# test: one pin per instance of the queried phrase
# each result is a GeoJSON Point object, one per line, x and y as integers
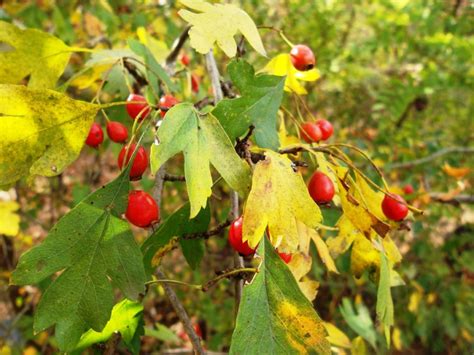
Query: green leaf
{"type": "Point", "coordinates": [176, 225]}
{"type": "Point", "coordinates": [202, 140]}
{"type": "Point", "coordinates": [384, 307]}
{"type": "Point", "coordinates": [162, 333]}
{"type": "Point", "coordinates": [31, 53]}
{"type": "Point", "coordinates": [360, 322]}
{"type": "Point", "coordinates": [274, 315]}
{"type": "Point", "coordinates": [258, 106]}
{"type": "Point", "coordinates": [42, 131]}
{"type": "Point", "coordinates": [125, 319]}
{"type": "Point", "coordinates": [96, 252]}
{"type": "Point", "coordinates": [153, 69]}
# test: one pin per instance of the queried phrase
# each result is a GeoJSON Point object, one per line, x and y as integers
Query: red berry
{"type": "Point", "coordinates": [321, 188]}
{"type": "Point", "coordinates": [326, 128]}
{"type": "Point", "coordinates": [117, 132]}
{"type": "Point", "coordinates": [235, 238]}
{"type": "Point", "coordinates": [185, 59]}
{"type": "Point", "coordinates": [394, 207]}
{"type": "Point", "coordinates": [142, 209]}
{"type": "Point", "coordinates": [302, 57]}
{"type": "Point", "coordinates": [166, 102]}
{"type": "Point", "coordinates": [95, 136]}
{"type": "Point", "coordinates": [195, 80]}
{"type": "Point", "coordinates": [135, 109]}
{"type": "Point", "coordinates": [140, 163]}
{"type": "Point", "coordinates": [285, 257]}
{"type": "Point", "coordinates": [408, 189]}
{"type": "Point", "coordinates": [311, 132]}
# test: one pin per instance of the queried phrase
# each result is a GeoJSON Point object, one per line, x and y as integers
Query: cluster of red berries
{"type": "Point", "coordinates": [142, 209]}
{"type": "Point", "coordinates": [243, 248]}
{"type": "Point", "coordinates": [317, 131]}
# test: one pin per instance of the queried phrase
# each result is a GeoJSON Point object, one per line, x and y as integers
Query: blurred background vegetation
{"type": "Point", "coordinates": [397, 80]}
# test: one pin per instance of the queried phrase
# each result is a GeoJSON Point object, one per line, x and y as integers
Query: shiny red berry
{"type": "Point", "coordinates": [95, 136]}
{"type": "Point", "coordinates": [302, 57]}
{"type": "Point", "coordinates": [184, 59]}
{"type": "Point", "coordinates": [321, 188]}
{"type": "Point", "coordinates": [235, 238]}
{"type": "Point", "coordinates": [140, 163]}
{"type": "Point", "coordinates": [166, 102]}
{"type": "Point", "coordinates": [117, 132]}
{"type": "Point", "coordinates": [326, 128]}
{"type": "Point", "coordinates": [394, 208]}
{"type": "Point", "coordinates": [285, 257]}
{"type": "Point", "coordinates": [195, 80]}
{"type": "Point", "coordinates": [408, 189]}
{"type": "Point", "coordinates": [311, 132]}
{"type": "Point", "coordinates": [140, 109]}
{"type": "Point", "coordinates": [142, 209]}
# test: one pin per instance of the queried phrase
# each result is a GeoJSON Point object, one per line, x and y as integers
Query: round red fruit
{"type": "Point", "coordinates": [311, 132]}
{"type": "Point", "coordinates": [139, 107]}
{"type": "Point", "coordinates": [185, 59]}
{"type": "Point", "coordinates": [95, 136]}
{"type": "Point", "coordinates": [408, 189]}
{"type": "Point", "coordinates": [326, 128]}
{"type": "Point", "coordinates": [195, 80]}
{"type": "Point", "coordinates": [235, 239]}
{"type": "Point", "coordinates": [302, 57]}
{"type": "Point", "coordinates": [394, 208]}
{"type": "Point", "coordinates": [140, 163]}
{"type": "Point", "coordinates": [117, 132]}
{"type": "Point", "coordinates": [321, 188]}
{"type": "Point", "coordinates": [142, 209]}
{"type": "Point", "coordinates": [166, 102]}
{"type": "Point", "coordinates": [285, 257]}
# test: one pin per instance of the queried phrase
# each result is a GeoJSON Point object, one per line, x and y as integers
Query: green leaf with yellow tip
{"type": "Point", "coordinates": [42, 131]}
{"type": "Point", "coordinates": [203, 141]}
{"type": "Point", "coordinates": [95, 251]}
{"type": "Point", "coordinates": [278, 200]}
{"type": "Point", "coordinates": [31, 53]}
{"type": "Point", "coordinates": [274, 315]}
{"type": "Point", "coordinates": [218, 24]}
{"type": "Point", "coordinates": [281, 66]}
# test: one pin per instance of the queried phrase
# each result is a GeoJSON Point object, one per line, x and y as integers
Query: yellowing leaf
{"type": "Point", "coordinates": [281, 66]}
{"type": "Point", "coordinates": [216, 23]}
{"type": "Point", "coordinates": [9, 219]}
{"type": "Point", "coordinates": [159, 49]}
{"type": "Point", "coordinates": [90, 76]}
{"type": "Point", "coordinates": [31, 53]}
{"type": "Point", "coordinates": [42, 131]}
{"type": "Point", "coordinates": [457, 173]}
{"type": "Point", "coordinates": [336, 336]}
{"type": "Point", "coordinates": [278, 199]}
{"type": "Point", "coordinates": [300, 265]}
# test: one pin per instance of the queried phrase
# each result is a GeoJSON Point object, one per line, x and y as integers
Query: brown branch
{"type": "Point", "coordinates": [171, 177]}
{"type": "Point", "coordinates": [205, 235]}
{"type": "Point", "coordinates": [177, 45]}
{"type": "Point", "coordinates": [455, 200]}
{"type": "Point", "coordinates": [427, 159]}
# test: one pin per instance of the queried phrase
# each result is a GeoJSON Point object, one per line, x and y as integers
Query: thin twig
{"type": "Point", "coordinates": [171, 177]}
{"type": "Point", "coordinates": [205, 235]}
{"type": "Point", "coordinates": [215, 76]}
{"type": "Point", "coordinates": [455, 200]}
{"type": "Point", "coordinates": [177, 45]}
{"type": "Point", "coordinates": [427, 159]}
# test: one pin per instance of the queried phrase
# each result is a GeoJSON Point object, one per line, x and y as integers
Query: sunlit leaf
{"type": "Point", "coordinates": [336, 336]}
{"type": "Point", "coordinates": [274, 315]}
{"type": "Point", "coordinates": [457, 173]}
{"type": "Point", "coordinates": [299, 266]}
{"type": "Point", "coordinates": [31, 53]}
{"type": "Point", "coordinates": [278, 200]}
{"type": "Point", "coordinates": [9, 219]}
{"type": "Point", "coordinates": [200, 138]}
{"type": "Point", "coordinates": [217, 23]}
{"type": "Point", "coordinates": [42, 131]}
{"type": "Point", "coordinates": [281, 66]}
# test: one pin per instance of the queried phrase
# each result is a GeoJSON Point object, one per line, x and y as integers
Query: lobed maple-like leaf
{"type": "Point", "coordinates": [203, 141]}
{"type": "Point", "coordinates": [279, 199]}
{"type": "Point", "coordinates": [258, 105]}
{"type": "Point", "coordinates": [95, 252]}
{"type": "Point", "coordinates": [42, 131]}
{"type": "Point", "coordinates": [274, 316]}
{"type": "Point", "coordinates": [219, 23]}
{"type": "Point", "coordinates": [31, 53]}
{"type": "Point", "coordinates": [281, 66]}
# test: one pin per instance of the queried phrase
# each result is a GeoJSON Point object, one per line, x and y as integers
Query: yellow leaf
{"type": "Point", "coordinates": [42, 132]}
{"type": "Point", "coordinates": [309, 288]}
{"type": "Point", "coordinates": [278, 199]}
{"type": "Point", "coordinates": [397, 339]}
{"type": "Point", "coordinates": [9, 219]}
{"type": "Point", "coordinates": [281, 66]}
{"type": "Point", "coordinates": [347, 233]}
{"type": "Point", "coordinates": [336, 336]}
{"type": "Point", "coordinates": [285, 139]}
{"type": "Point", "coordinates": [457, 173]}
{"type": "Point", "coordinates": [217, 23]}
{"type": "Point", "coordinates": [31, 52]}
{"type": "Point", "coordinates": [90, 76]}
{"type": "Point", "coordinates": [358, 346]}
{"type": "Point", "coordinates": [159, 49]}
{"type": "Point", "coordinates": [300, 265]}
